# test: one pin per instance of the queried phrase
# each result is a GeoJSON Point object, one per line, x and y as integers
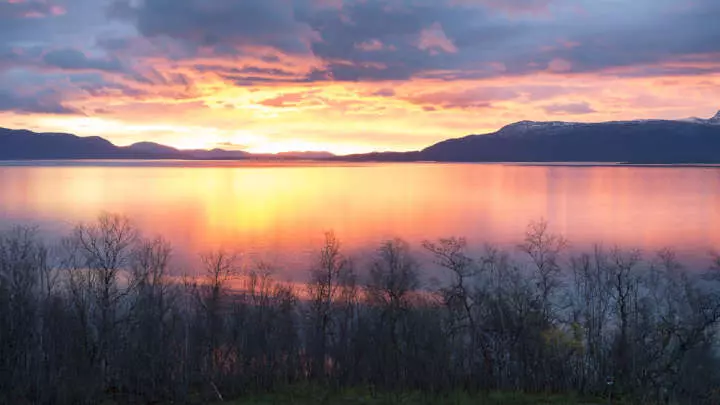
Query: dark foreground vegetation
{"type": "Point", "coordinates": [305, 394]}
{"type": "Point", "coordinates": [100, 316]}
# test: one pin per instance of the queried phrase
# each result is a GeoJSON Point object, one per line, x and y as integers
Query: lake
{"type": "Point", "coordinates": [278, 212]}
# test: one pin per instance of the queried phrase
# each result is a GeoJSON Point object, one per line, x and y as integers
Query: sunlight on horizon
{"type": "Point", "coordinates": [356, 120]}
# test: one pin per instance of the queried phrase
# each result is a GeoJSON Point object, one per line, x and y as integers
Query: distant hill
{"type": "Point", "coordinates": [692, 140]}
{"type": "Point", "coordinates": [151, 148]}
{"type": "Point", "coordinates": [642, 141]}
{"type": "Point", "coordinates": [381, 157]}
{"type": "Point", "coordinates": [27, 145]}
{"type": "Point", "coordinates": [306, 155]}
{"type": "Point", "coordinates": [22, 144]}
{"type": "Point", "coordinates": [218, 154]}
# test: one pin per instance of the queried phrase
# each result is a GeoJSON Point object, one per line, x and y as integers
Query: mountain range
{"type": "Point", "coordinates": [691, 140]}
{"type": "Point", "coordinates": [27, 145]}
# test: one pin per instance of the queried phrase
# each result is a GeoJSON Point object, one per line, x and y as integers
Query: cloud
{"type": "Point", "coordinates": [29, 9]}
{"type": "Point", "coordinates": [46, 102]}
{"type": "Point", "coordinates": [359, 72]}
{"type": "Point", "coordinates": [479, 97]}
{"type": "Point", "coordinates": [434, 40]}
{"type": "Point", "coordinates": [559, 66]}
{"type": "Point", "coordinates": [569, 108]}
{"type": "Point", "coordinates": [411, 35]}
{"type": "Point", "coordinates": [232, 146]}
{"type": "Point", "coordinates": [373, 45]}
{"type": "Point", "coordinates": [250, 74]}
{"type": "Point", "coordinates": [512, 6]}
{"type": "Point", "coordinates": [384, 92]}
{"type": "Point", "coordinates": [73, 59]}
{"type": "Point", "coordinates": [395, 40]}
{"type": "Point", "coordinates": [217, 23]}
{"type": "Point", "coordinates": [290, 100]}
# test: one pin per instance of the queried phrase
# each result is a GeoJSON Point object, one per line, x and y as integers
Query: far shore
{"type": "Point", "coordinates": [328, 162]}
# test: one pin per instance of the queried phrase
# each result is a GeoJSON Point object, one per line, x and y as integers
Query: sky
{"type": "Point", "coordinates": [348, 76]}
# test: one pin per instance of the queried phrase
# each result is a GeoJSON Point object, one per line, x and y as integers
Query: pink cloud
{"type": "Point", "coordinates": [559, 66]}
{"type": "Point", "coordinates": [478, 97]}
{"type": "Point", "coordinates": [569, 108]}
{"type": "Point", "coordinates": [31, 9]}
{"type": "Point", "coordinates": [510, 6]}
{"type": "Point", "coordinates": [433, 39]}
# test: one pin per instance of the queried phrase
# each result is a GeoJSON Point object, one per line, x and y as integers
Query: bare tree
{"type": "Point", "coordinates": [212, 296]}
{"type": "Point", "coordinates": [26, 283]}
{"type": "Point", "coordinates": [324, 290]}
{"type": "Point", "coordinates": [592, 307]}
{"type": "Point", "coordinates": [463, 299]}
{"type": "Point", "coordinates": [544, 250]}
{"type": "Point", "coordinates": [117, 325]}
{"type": "Point", "coordinates": [392, 282]}
{"type": "Point", "coordinates": [154, 321]}
{"type": "Point", "coordinates": [100, 255]}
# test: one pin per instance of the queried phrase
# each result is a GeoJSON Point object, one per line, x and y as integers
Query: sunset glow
{"type": "Point", "coordinates": [348, 76]}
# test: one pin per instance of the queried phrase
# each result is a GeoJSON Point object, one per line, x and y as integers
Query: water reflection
{"type": "Point", "coordinates": [279, 211]}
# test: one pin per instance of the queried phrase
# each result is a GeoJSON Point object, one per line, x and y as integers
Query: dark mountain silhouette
{"type": "Point", "coordinates": [712, 121]}
{"type": "Point", "coordinates": [692, 140]}
{"type": "Point", "coordinates": [23, 144]}
{"type": "Point", "coordinates": [306, 154]}
{"type": "Point", "coordinates": [413, 156]}
{"type": "Point", "coordinates": [152, 148]}
{"type": "Point", "coordinates": [651, 141]}
{"type": "Point", "coordinates": [218, 154]}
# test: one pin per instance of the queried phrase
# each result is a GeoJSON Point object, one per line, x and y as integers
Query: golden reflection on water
{"type": "Point", "coordinates": [281, 211]}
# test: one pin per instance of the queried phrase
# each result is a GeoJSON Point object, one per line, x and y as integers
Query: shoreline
{"type": "Point", "coordinates": [319, 162]}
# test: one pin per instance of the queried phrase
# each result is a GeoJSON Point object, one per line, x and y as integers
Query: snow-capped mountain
{"type": "Point", "coordinates": [523, 127]}
{"type": "Point", "coordinates": [711, 121]}
{"type": "Point", "coordinates": [647, 141]}
{"type": "Point", "coordinates": [636, 141]}
{"type": "Point", "coordinates": [547, 127]}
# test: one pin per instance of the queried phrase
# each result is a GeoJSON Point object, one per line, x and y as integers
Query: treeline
{"type": "Point", "coordinates": [101, 315]}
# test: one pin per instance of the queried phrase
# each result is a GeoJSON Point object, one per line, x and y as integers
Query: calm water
{"type": "Point", "coordinates": [278, 212]}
